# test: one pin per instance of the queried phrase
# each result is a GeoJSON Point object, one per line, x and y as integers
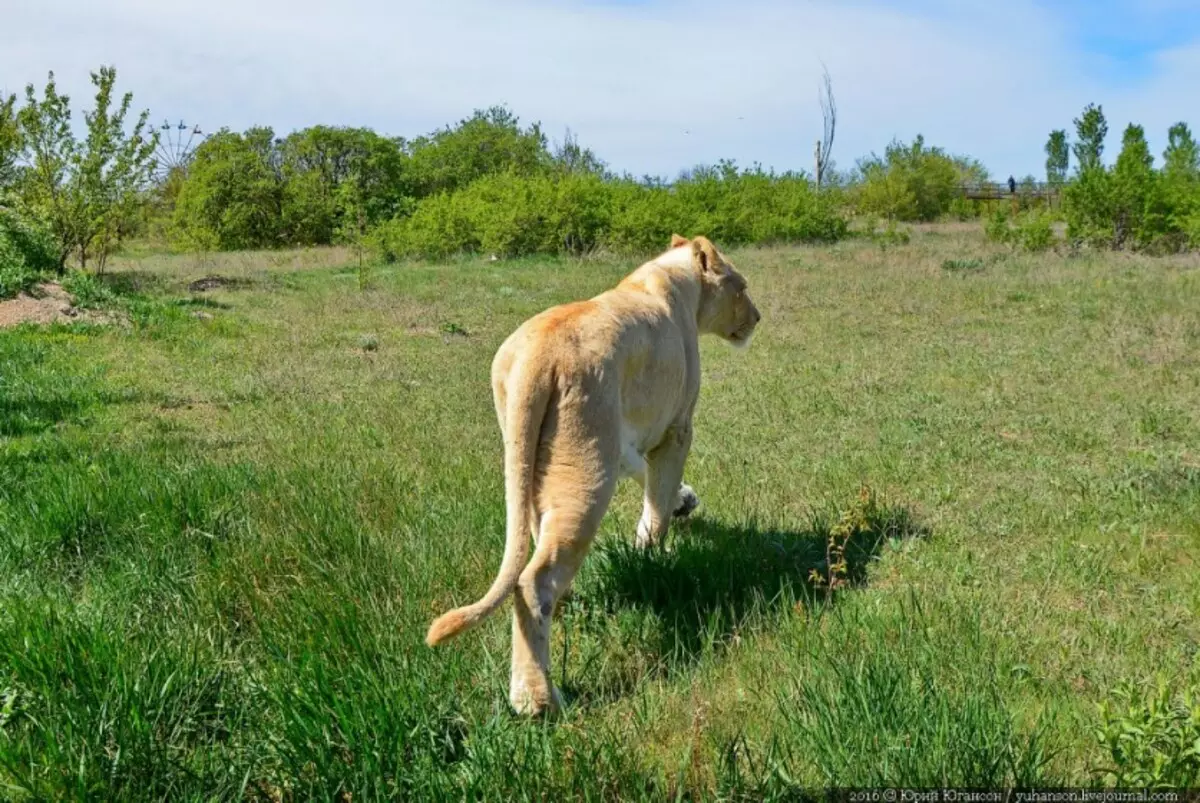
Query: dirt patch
{"type": "Point", "coordinates": [214, 283]}
{"type": "Point", "coordinates": [48, 303]}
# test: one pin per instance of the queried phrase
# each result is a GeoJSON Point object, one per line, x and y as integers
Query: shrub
{"type": "Point", "coordinates": [997, 228]}
{"type": "Point", "coordinates": [915, 182]}
{"type": "Point", "coordinates": [1034, 233]}
{"type": "Point", "coordinates": [27, 251]}
{"type": "Point", "coordinates": [437, 229]}
{"type": "Point", "coordinates": [582, 213]}
{"type": "Point", "coordinates": [644, 217]}
{"type": "Point", "coordinates": [1031, 231]}
{"type": "Point", "coordinates": [962, 265]}
{"type": "Point", "coordinates": [509, 214]}
{"type": "Point", "coordinates": [1151, 737]}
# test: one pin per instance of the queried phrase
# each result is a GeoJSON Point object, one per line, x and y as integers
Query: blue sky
{"type": "Point", "coordinates": [652, 85]}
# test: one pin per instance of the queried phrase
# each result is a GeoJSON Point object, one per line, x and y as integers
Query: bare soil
{"type": "Point", "coordinates": [48, 303]}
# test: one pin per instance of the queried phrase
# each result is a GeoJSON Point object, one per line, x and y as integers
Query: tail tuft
{"type": "Point", "coordinates": [445, 627]}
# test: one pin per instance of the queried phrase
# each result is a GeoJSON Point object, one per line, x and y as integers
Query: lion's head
{"type": "Point", "coordinates": [725, 307]}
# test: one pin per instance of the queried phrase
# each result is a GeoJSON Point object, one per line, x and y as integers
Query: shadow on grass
{"type": "Point", "coordinates": [200, 302]}
{"type": "Point", "coordinates": [714, 579]}
{"type": "Point", "coordinates": [130, 283]}
{"type": "Point", "coordinates": [32, 414]}
{"type": "Point", "coordinates": [41, 386]}
{"type": "Point", "coordinates": [43, 410]}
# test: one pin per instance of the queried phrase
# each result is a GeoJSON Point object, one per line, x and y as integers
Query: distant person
{"type": "Point", "coordinates": [1012, 185]}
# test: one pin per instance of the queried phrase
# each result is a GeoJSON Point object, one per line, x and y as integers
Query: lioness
{"type": "Point", "coordinates": [587, 393]}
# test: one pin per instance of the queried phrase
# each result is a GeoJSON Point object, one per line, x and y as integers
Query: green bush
{"type": "Point", "coordinates": [27, 251]}
{"type": "Point", "coordinates": [998, 229]}
{"type": "Point", "coordinates": [915, 183]}
{"type": "Point", "coordinates": [1151, 737]}
{"type": "Point", "coordinates": [233, 196]}
{"type": "Point", "coordinates": [437, 229]}
{"type": "Point", "coordinates": [508, 214]}
{"type": "Point", "coordinates": [1034, 233]}
{"type": "Point", "coordinates": [1031, 231]}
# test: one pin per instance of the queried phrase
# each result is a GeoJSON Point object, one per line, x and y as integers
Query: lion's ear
{"type": "Point", "coordinates": [678, 240]}
{"type": "Point", "coordinates": [705, 255]}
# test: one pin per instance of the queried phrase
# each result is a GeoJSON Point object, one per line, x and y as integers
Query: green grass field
{"type": "Point", "coordinates": [226, 525]}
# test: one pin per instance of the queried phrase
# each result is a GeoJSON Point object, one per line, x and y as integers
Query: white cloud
{"type": "Point", "coordinates": [652, 87]}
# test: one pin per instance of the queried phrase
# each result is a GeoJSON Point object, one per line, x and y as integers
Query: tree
{"type": "Point", "coordinates": [912, 182]}
{"type": "Point", "coordinates": [828, 128]}
{"type": "Point", "coordinates": [1180, 185]}
{"type": "Point", "coordinates": [10, 142]}
{"type": "Point", "coordinates": [86, 190]}
{"type": "Point", "coordinates": [1089, 200]}
{"type": "Point", "coordinates": [1058, 158]}
{"type": "Point", "coordinates": [1090, 131]}
{"type": "Point", "coordinates": [1182, 156]}
{"type": "Point", "coordinates": [1132, 186]}
{"type": "Point", "coordinates": [318, 161]}
{"type": "Point", "coordinates": [233, 195]}
{"type": "Point", "coordinates": [487, 143]}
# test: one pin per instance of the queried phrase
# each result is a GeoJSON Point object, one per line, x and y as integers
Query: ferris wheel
{"type": "Point", "coordinates": [176, 144]}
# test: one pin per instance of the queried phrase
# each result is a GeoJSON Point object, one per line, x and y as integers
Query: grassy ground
{"type": "Point", "coordinates": [225, 527]}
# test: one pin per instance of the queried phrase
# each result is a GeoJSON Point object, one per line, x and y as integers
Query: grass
{"type": "Point", "coordinates": [225, 526]}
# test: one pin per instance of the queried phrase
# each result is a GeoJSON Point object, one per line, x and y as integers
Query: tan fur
{"type": "Point", "coordinates": [587, 393]}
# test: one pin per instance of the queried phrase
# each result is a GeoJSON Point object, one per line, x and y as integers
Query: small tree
{"type": "Point", "coordinates": [1182, 157]}
{"type": "Point", "coordinates": [1058, 158]}
{"type": "Point", "coordinates": [10, 142]}
{"type": "Point", "coordinates": [1089, 199]}
{"type": "Point", "coordinates": [1180, 185]}
{"type": "Point", "coordinates": [85, 190]}
{"type": "Point", "coordinates": [352, 228]}
{"type": "Point", "coordinates": [1132, 187]}
{"type": "Point", "coordinates": [1090, 131]}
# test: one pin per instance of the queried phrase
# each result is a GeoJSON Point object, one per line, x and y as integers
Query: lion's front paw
{"type": "Point", "coordinates": [643, 533]}
{"type": "Point", "coordinates": [686, 501]}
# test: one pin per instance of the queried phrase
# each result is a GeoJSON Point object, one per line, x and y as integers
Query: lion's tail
{"type": "Point", "coordinates": [528, 398]}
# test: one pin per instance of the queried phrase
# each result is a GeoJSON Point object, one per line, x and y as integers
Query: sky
{"type": "Point", "coordinates": [652, 86]}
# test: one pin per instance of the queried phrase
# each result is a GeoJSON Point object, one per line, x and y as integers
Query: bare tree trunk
{"type": "Point", "coordinates": [817, 156]}
{"type": "Point", "coordinates": [829, 128]}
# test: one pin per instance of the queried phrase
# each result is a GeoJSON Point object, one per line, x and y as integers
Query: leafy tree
{"type": "Point", "coordinates": [1132, 188]}
{"type": "Point", "coordinates": [1133, 205]}
{"type": "Point", "coordinates": [1090, 131]}
{"type": "Point", "coordinates": [233, 195]}
{"type": "Point", "coordinates": [1180, 185]}
{"type": "Point", "coordinates": [317, 163]}
{"type": "Point", "coordinates": [86, 190]}
{"type": "Point", "coordinates": [1089, 201]}
{"type": "Point", "coordinates": [1058, 158]}
{"type": "Point", "coordinates": [1182, 156]}
{"type": "Point", "coordinates": [487, 143]}
{"type": "Point", "coordinates": [913, 182]}
{"type": "Point", "coordinates": [10, 142]}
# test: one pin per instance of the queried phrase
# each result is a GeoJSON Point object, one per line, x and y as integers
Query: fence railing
{"type": "Point", "coordinates": [1001, 191]}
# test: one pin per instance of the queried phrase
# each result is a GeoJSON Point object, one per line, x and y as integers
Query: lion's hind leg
{"type": "Point", "coordinates": [571, 514]}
